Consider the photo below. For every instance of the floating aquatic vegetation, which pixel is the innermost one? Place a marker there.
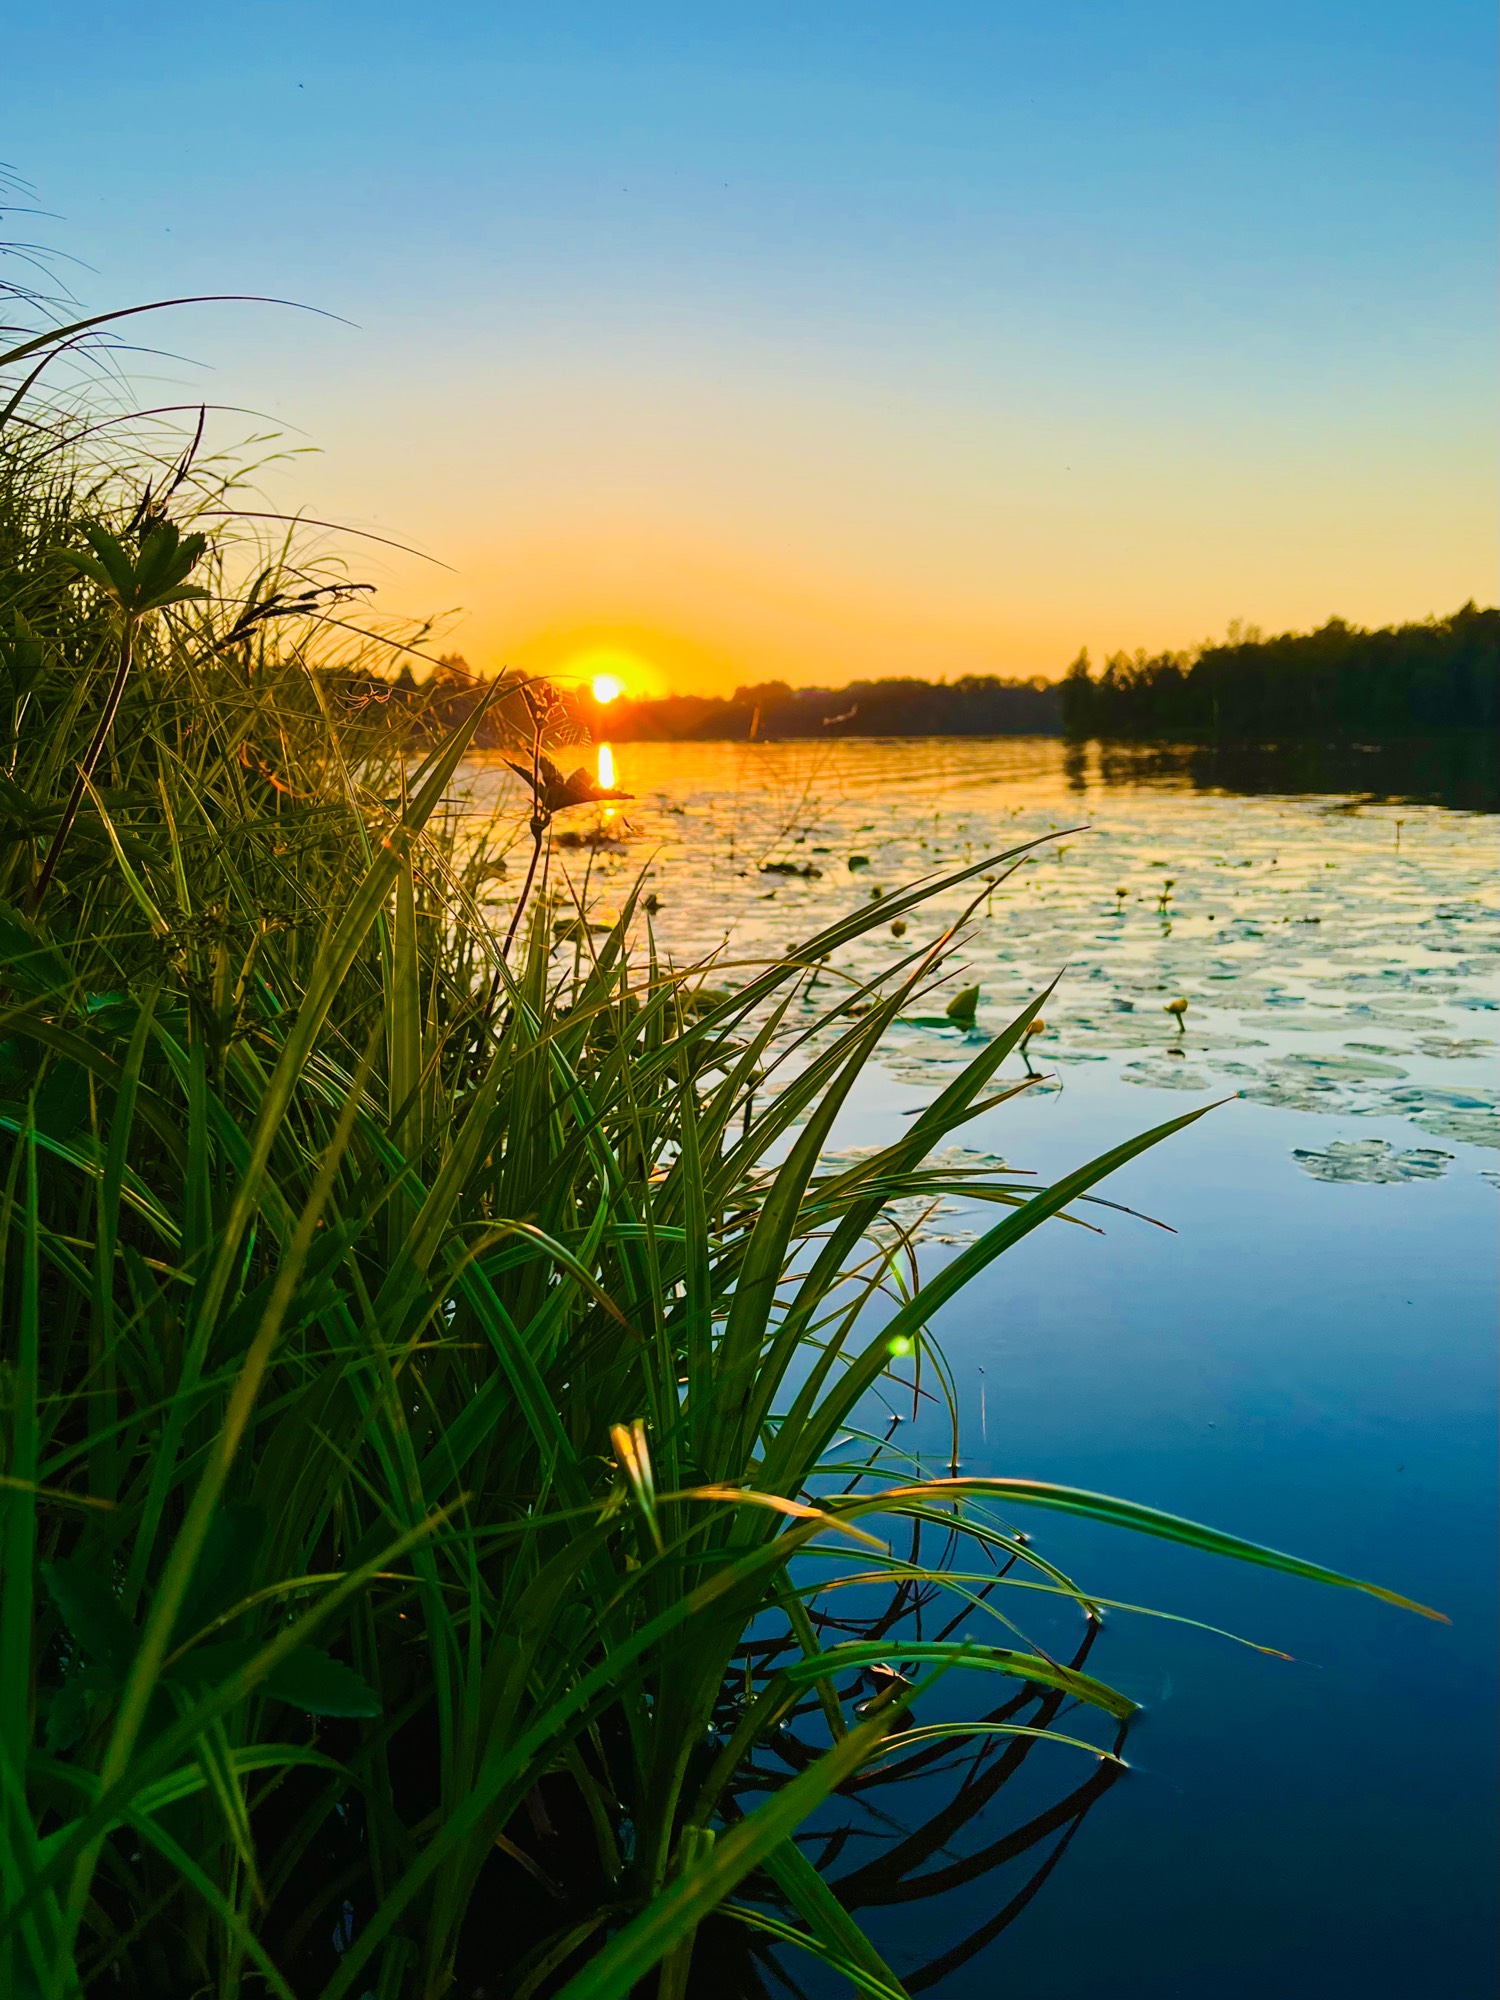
(1401, 959)
(1165, 1073)
(1470, 1116)
(604, 835)
(1371, 1162)
(1315, 1020)
(1334, 1068)
(921, 1066)
(1329, 1082)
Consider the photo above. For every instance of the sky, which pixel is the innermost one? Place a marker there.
(713, 345)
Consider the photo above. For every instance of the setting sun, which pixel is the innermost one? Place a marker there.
(606, 671)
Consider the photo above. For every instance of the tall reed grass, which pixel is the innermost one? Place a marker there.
(424, 1374)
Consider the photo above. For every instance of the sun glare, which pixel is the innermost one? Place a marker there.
(608, 688)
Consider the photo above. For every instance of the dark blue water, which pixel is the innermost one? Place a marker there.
(1311, 1366)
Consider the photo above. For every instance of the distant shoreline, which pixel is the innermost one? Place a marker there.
(1459, 769)
(1409, 711)
(1339, 683)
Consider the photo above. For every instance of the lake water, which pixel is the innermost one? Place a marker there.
(1309, 1360)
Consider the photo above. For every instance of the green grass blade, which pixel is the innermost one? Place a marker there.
(1142, 1521)
(681, 1907)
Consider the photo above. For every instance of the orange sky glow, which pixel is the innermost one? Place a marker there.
(691, 536)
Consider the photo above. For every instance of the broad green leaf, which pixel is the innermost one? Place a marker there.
(313, 1680)
(308, 1678)
(92, 1611)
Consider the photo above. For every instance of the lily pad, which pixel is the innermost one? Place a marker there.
(1335, 1068)
(1470, 1116)
(1163, 1073)
(1371, 1162)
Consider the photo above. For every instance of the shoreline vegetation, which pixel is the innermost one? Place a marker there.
(450, 1533)
(1435, 679)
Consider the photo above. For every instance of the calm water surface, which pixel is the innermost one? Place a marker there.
(1308, 1360)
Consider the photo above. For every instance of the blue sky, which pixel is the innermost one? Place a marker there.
(823, 339)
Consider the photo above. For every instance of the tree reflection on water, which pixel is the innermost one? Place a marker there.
(1461, 770)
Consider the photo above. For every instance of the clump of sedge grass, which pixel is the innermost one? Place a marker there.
(422, 1370)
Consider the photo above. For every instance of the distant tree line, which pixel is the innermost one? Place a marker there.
(770, 711)
(977, 705)
(1340, 681)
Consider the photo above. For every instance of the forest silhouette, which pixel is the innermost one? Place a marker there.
(1340, 683)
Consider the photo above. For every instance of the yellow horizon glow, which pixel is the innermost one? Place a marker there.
(753, 586)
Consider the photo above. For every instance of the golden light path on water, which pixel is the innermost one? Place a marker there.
(1333, 955)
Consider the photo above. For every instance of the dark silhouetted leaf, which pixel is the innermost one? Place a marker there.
(321, 1685)
(93, 1614)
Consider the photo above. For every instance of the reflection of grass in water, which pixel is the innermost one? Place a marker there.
(903, 1824)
